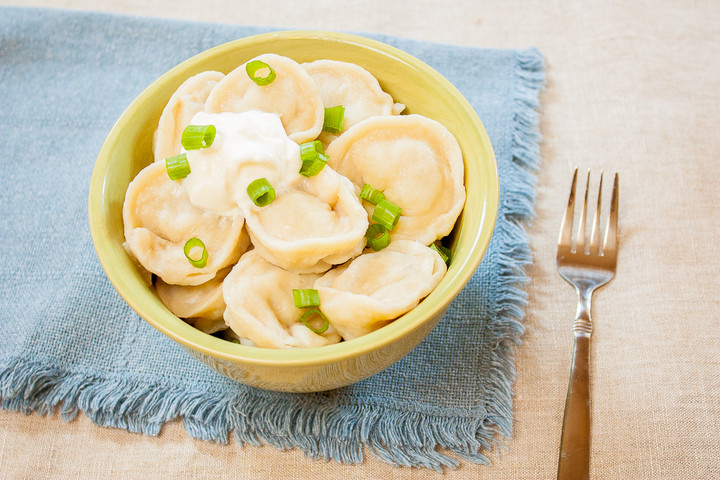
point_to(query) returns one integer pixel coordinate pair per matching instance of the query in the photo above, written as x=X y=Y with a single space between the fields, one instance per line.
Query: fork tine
x=580 y=240
x=565 y=238
x=611 y=231
x=595 y=232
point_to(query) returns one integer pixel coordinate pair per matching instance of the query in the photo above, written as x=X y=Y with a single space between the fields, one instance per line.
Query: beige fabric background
x=632 y=87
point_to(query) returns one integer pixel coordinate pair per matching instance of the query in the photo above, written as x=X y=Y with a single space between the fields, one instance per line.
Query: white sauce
x=247 y=146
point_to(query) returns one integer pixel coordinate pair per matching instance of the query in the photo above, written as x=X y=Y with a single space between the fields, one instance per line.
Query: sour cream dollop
x=247 y=146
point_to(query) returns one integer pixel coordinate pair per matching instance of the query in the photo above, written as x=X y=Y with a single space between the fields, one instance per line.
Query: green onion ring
x=313 y=158
x=177 y=167
x=310 y=150
x=442 y=251
x=311 y=313
x=371 y=194
x=197 y=136
x=386 y=214
x=307 y=297
x=254 y=66
x=193 y=243
x=333 y=121
x=261 y=192
x=310 y=168
x=377 y=236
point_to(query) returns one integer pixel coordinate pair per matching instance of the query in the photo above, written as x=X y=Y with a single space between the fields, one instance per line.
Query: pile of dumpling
x=241 y=235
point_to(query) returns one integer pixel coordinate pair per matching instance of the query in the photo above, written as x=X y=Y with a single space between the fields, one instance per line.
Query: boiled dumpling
x=353 y=87
x=159 y=219
x=415 y=161
x=377 y=287
x=292 y=95
x=317 y=224
x=202 y=306
x=260 y=305
x=187 y=100
x=311 y=234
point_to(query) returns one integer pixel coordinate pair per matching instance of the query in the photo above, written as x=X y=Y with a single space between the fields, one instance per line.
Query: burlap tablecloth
x=630 y=88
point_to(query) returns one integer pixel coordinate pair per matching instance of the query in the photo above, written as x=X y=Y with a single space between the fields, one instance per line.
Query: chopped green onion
x=443 y=251
x=310 y=168
x=305 y=319
x=192 y=244
x=310 y=150
x=197 y=136
x=377 y=236
x=371 y=195
x=177 y=167
x=333 y=122
x=313 y=158
x=261 y=192
x=307 y=297
x=386 y=213
x=252 y=68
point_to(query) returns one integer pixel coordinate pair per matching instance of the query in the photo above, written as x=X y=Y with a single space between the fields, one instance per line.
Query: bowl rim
x=456 y=278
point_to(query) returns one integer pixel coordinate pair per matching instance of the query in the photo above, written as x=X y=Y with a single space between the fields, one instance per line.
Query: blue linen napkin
x=68 y=342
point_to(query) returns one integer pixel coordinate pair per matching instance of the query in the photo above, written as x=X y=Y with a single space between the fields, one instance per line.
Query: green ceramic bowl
x=128 y=149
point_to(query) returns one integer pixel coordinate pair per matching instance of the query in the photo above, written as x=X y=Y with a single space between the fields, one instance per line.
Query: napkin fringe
x=413 y=439
x=518 y=200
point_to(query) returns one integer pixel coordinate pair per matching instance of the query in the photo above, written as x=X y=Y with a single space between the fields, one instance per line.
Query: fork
x=586 y=266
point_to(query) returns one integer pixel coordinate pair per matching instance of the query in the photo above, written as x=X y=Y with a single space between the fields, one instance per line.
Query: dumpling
x=317 y=224
x=415 y=161
x=353 y=87
x=187 y=100
x=247 y=146
x=377 y=287
x=292 y=95
x=159 y=219
x=260 y=305
x=201 y=306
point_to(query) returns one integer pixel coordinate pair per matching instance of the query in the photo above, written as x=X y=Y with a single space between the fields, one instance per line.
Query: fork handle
x=574 y=462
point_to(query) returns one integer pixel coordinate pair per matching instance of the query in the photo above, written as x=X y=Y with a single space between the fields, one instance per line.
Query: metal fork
x=586 y=266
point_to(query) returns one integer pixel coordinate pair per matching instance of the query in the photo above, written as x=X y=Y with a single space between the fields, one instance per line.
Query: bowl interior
x=128 y=149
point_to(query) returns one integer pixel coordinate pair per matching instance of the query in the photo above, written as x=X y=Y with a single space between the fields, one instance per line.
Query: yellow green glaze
x=128 y=149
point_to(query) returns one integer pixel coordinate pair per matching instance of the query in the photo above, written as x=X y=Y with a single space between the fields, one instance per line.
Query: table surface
x=632 y=87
